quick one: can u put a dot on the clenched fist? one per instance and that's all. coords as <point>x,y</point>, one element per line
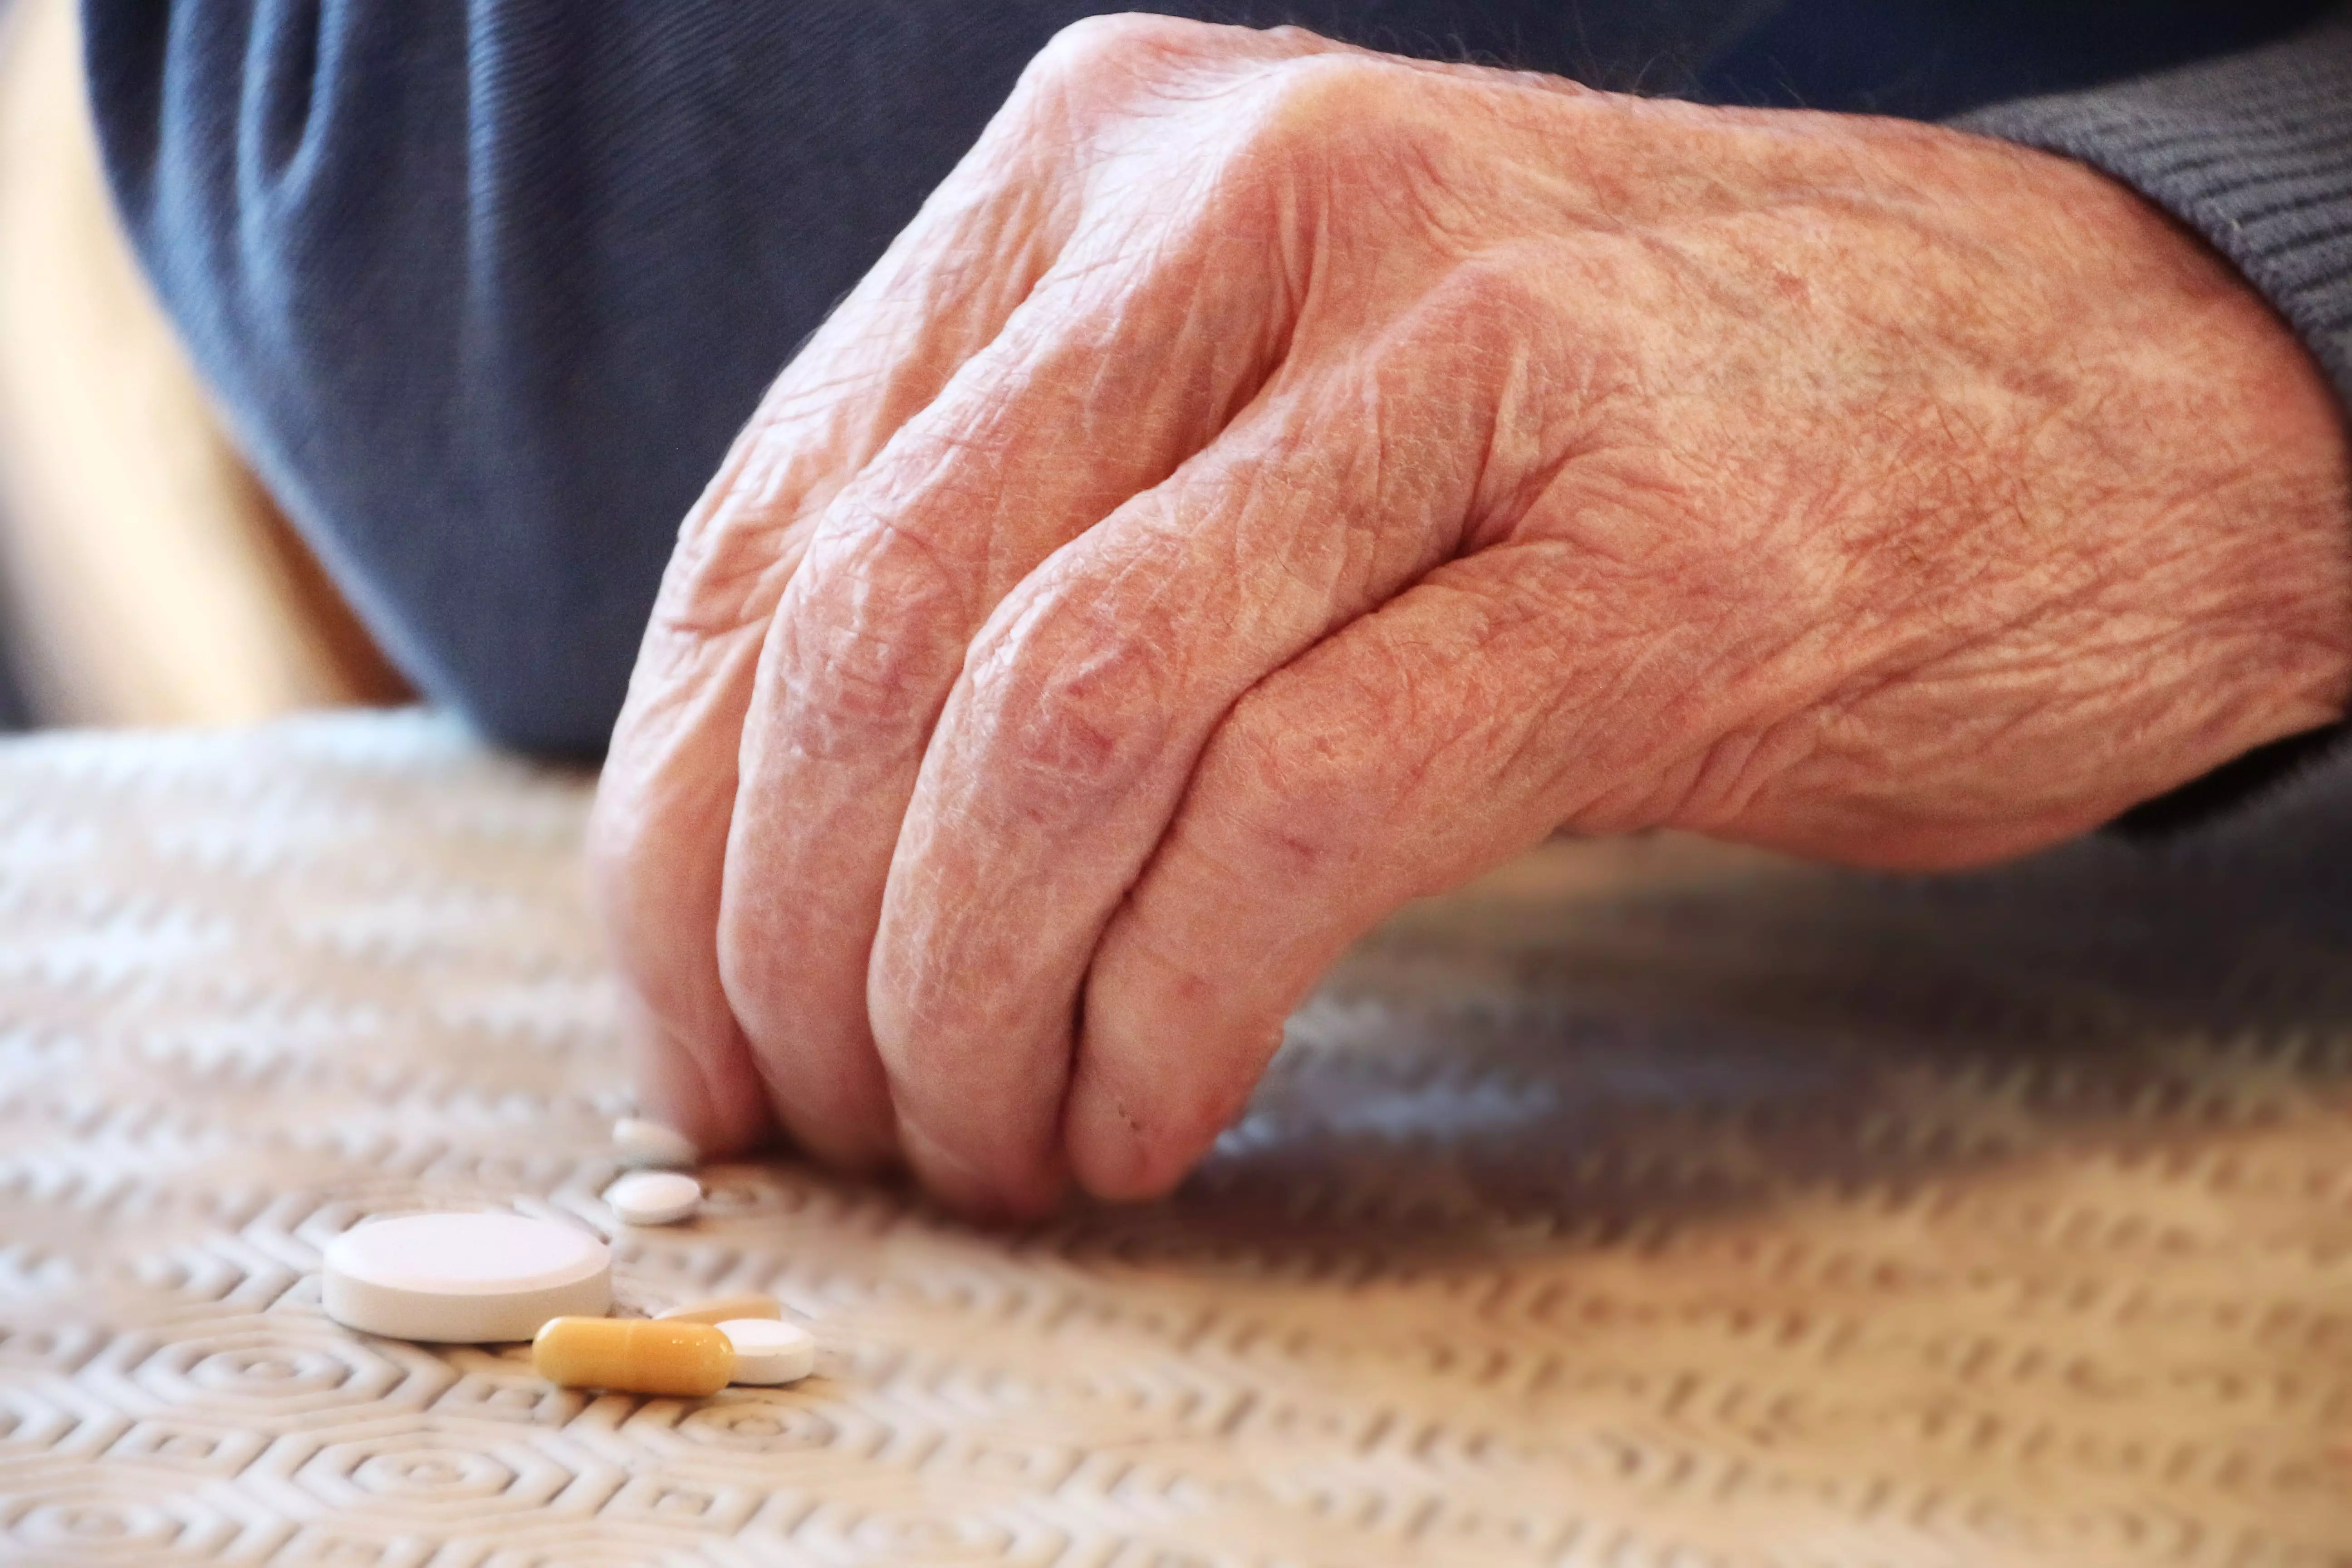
<point>1271,481</point>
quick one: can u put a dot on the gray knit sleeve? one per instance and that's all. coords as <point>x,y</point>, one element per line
<point>2255,152</point>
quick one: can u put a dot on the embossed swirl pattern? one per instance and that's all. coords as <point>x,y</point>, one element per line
<point>1646,1205</point>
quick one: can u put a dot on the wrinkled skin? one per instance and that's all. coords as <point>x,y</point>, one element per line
<point>1272,481</point>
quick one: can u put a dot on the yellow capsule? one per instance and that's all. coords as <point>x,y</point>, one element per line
<point>634,1355</point>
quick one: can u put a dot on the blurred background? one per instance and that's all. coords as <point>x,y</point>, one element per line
<point>145,576</point>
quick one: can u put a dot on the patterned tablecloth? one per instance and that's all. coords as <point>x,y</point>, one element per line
<point>1646,1205</point>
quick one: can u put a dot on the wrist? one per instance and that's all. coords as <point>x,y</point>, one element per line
<point>2272,494</point>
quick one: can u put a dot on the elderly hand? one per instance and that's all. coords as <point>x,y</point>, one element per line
<point>1271,481</point>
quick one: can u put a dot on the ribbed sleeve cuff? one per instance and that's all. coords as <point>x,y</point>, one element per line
<point>2255,152</point>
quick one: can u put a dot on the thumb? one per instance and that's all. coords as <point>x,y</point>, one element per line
<point>1419,747</point>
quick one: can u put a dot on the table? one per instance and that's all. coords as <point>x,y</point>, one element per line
<point>1645,1205</point>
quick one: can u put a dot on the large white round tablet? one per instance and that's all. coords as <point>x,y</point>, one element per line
<point>654,1198</point>
<point>770,1352</point>
<point>465,1279</point>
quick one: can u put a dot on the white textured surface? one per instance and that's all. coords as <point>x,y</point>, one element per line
<point>1639,1208</point>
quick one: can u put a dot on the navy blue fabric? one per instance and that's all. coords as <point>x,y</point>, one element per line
<point>486,287</point>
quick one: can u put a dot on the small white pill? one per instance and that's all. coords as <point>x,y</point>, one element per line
<point>464,1279</point>
<point>638,1143</point>
<point>769,1351</point>
<point>654,1198</point>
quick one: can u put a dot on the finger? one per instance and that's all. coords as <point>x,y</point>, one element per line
<point>658,837</point>
<point>900,573</point>
<point>1418,748</point>
<point>1101,383</point>
<point>1086,700</point>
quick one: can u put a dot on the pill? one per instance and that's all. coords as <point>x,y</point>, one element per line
<point>634,1355</point>
<point>719,1308</point>
<point>637,1142</point>
<point>463,1279</point>
<point>770,1352</point>
<point>654,1198</point>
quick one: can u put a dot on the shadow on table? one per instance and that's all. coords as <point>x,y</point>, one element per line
<point>1564,1058</point>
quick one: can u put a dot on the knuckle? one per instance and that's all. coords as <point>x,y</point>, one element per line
<point>870,646</point>
<point>1072,707</point>
<point>727,567</point>
<point>1310,136</point>
<point>1283,793</point>
<point>1310,101</point>
<point>1094,47</point>
<point>1491,298</point>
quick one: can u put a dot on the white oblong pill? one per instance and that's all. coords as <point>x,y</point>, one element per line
<point>638,1143</point>
<point>464,1279</point>
<point>654,1198</point>
<point>719,1308</point>
<point>769,1351</point>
